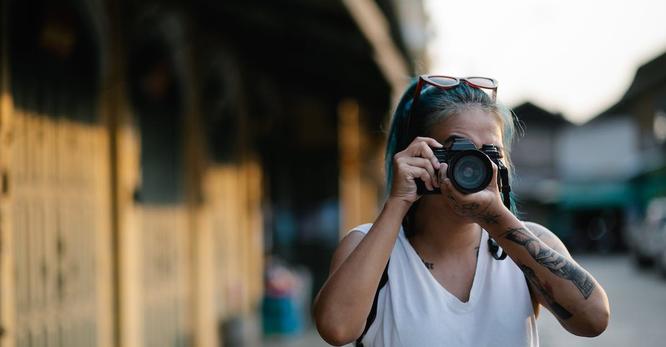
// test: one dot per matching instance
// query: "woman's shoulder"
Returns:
(362, 228)
(539, 230)
(547, 236)
(348, 243)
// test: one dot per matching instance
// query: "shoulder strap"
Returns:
(373, 310)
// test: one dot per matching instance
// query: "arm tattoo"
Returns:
(558, 309)
(489, 218)
(472, 210)
(469, 208)
(553, 261)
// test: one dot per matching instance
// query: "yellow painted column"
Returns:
(7, 297)
(349, 141)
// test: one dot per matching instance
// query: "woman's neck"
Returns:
(439, 232)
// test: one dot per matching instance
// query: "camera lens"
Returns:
(471, 172)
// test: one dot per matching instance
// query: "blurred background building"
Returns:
(592, 183)
(155, 154)
(533, 156)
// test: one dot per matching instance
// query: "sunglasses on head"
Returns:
(448, 82)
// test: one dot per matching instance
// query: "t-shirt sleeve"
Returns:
(363, 228)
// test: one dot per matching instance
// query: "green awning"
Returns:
(650, 184)
(596, 195)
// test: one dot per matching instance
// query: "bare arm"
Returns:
(345, 300)
(561, 285)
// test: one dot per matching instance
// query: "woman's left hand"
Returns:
(484, 207)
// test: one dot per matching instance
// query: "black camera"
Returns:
(469, 169)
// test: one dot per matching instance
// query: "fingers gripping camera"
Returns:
(470, 169)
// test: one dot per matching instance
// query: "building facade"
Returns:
(152, 153)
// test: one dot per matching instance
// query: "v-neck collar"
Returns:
(479, 274)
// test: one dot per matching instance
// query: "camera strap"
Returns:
(505, 189)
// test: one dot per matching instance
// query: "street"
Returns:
(638, 309)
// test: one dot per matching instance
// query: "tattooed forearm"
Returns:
(553, 261)
(557, 309)
(473, 210)
(489, 218)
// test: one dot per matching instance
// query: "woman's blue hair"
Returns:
(435, 105)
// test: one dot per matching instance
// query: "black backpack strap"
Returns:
(373, 310)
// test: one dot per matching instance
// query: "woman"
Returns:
(446, 283)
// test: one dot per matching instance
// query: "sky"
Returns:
(572, 57)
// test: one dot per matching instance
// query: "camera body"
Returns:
(469, 169)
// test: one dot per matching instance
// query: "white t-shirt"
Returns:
(413, 309)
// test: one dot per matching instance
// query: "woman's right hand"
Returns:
(417, 161)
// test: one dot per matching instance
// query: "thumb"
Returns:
(493, 181)
(442, 173)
